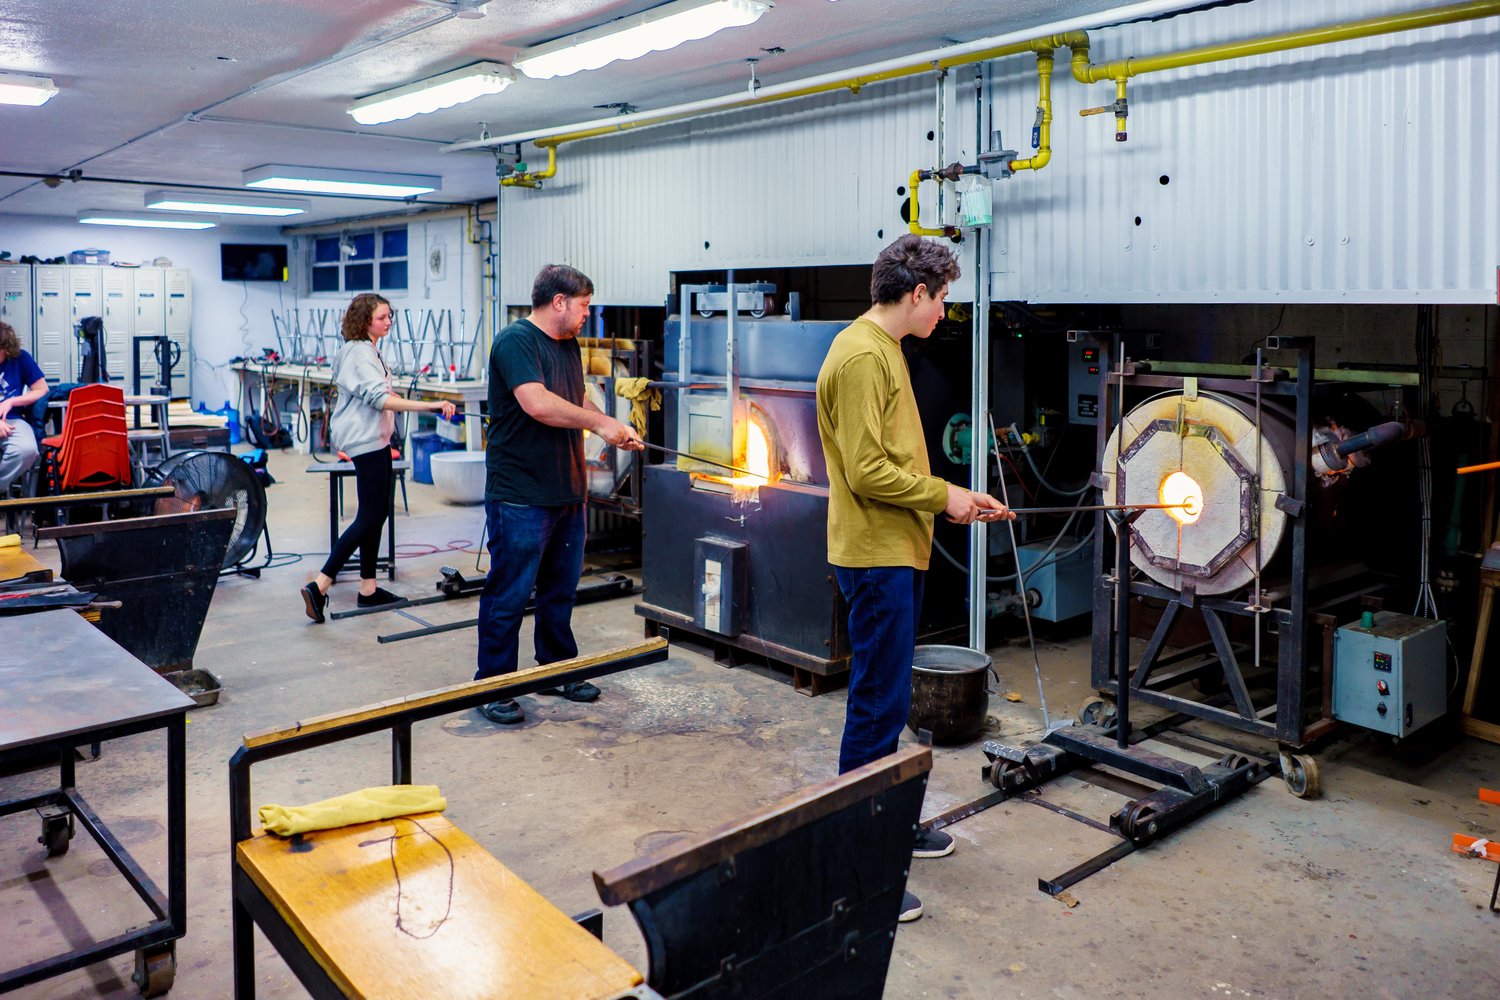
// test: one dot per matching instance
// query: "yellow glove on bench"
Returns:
(364, 806)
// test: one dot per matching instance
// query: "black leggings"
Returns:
(372, 480)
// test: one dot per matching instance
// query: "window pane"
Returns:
(392, 274)
(359, 277)
(393, 244)
(326, 279)
(364, 246)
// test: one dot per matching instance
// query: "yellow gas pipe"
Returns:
(1043, 153)
(533, 179)
(950, 232)
(1121, 70)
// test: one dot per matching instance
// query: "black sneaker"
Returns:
(375, 600)
(932, 844)
(576, 691)
(911, 908)
(313, 602)
(505, 713)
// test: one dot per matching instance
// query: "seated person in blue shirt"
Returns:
(21, 385)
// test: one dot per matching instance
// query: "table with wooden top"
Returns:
(70, 686)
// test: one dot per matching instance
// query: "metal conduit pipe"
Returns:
(1120, 70)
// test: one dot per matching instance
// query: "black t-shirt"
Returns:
(526, 461)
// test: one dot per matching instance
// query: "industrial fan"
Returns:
(216, 479)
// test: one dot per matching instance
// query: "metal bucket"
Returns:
(948, 693)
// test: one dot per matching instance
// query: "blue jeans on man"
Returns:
(884, 602)
(538, 548)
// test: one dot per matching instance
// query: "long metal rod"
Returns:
(1015, 546)
(699, 458)
(1098, 507)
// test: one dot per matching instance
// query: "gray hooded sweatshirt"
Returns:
(359, 425)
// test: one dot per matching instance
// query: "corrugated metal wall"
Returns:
(1367, 171)
(807, 182)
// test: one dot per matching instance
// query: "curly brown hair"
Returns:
(907, 263)
(357, 317)
(10, 344)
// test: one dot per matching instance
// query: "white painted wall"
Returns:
(229, 318)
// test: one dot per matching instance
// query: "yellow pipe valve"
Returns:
(1120, 109)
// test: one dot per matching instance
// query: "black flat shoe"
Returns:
(313, 602)
(375, 600)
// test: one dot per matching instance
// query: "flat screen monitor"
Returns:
(252, 261)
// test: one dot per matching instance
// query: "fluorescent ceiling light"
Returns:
(225, 204)
(433, 94)
(327, 180)
(632, 37)
(145, 220)
(30, 91)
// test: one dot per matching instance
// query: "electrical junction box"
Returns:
(719, 594)
(1065, 586)
(1085, 359)
(1390, 672)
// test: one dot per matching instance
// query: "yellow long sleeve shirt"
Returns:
(882, 496)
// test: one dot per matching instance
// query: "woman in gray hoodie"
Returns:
(361, 425)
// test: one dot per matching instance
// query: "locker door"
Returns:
(54, 339)
(84, 300)
(16, 308)
(150, 316)
(178, 282)
(117, 285)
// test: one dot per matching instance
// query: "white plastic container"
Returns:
(459, 476)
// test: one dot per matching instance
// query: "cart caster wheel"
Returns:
(1138, 822)
(1096, 711)
(155, 971)
(1300, 772)
(57, 830)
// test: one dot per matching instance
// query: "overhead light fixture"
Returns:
(433, 94)
(225, 204)
(29, 91)
(144, 220)
(328, 180)
(653, 30)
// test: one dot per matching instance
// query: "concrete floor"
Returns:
(1355, 894)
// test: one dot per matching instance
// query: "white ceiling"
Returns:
(135, 74)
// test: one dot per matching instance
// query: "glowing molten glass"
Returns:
(1181, 488)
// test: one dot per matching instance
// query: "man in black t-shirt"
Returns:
(536, 483)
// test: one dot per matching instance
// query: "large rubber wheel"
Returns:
(1300, 772)
(155, 971)
(1096, 711)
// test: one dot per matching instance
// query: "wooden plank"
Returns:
(636, 878)
(1483, 730)
(497, 685)
(100, 496)
(411, 907)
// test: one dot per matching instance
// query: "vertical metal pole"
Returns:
(177, 823)
(401, 753)
(1291, 661)
(684, 364)
(979, 465)
(731, 364)
(1122, 631)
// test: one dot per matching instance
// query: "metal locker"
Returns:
(117, 285)
(178, 284)
(16, 308)
(150, 314)
(56, 348)
(84, 300)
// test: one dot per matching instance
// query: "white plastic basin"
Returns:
(459, 475)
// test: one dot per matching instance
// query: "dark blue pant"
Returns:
(530, 547)
(883, 605)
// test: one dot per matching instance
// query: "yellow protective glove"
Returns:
(364, 806)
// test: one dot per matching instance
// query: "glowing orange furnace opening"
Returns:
(1181, 488)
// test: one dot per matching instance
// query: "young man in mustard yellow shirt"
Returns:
(883, 498)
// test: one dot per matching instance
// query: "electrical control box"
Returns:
(1390, 672)
(1086, 360)
(719, 599)
(1066, 587)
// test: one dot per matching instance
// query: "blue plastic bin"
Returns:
(423, 446)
